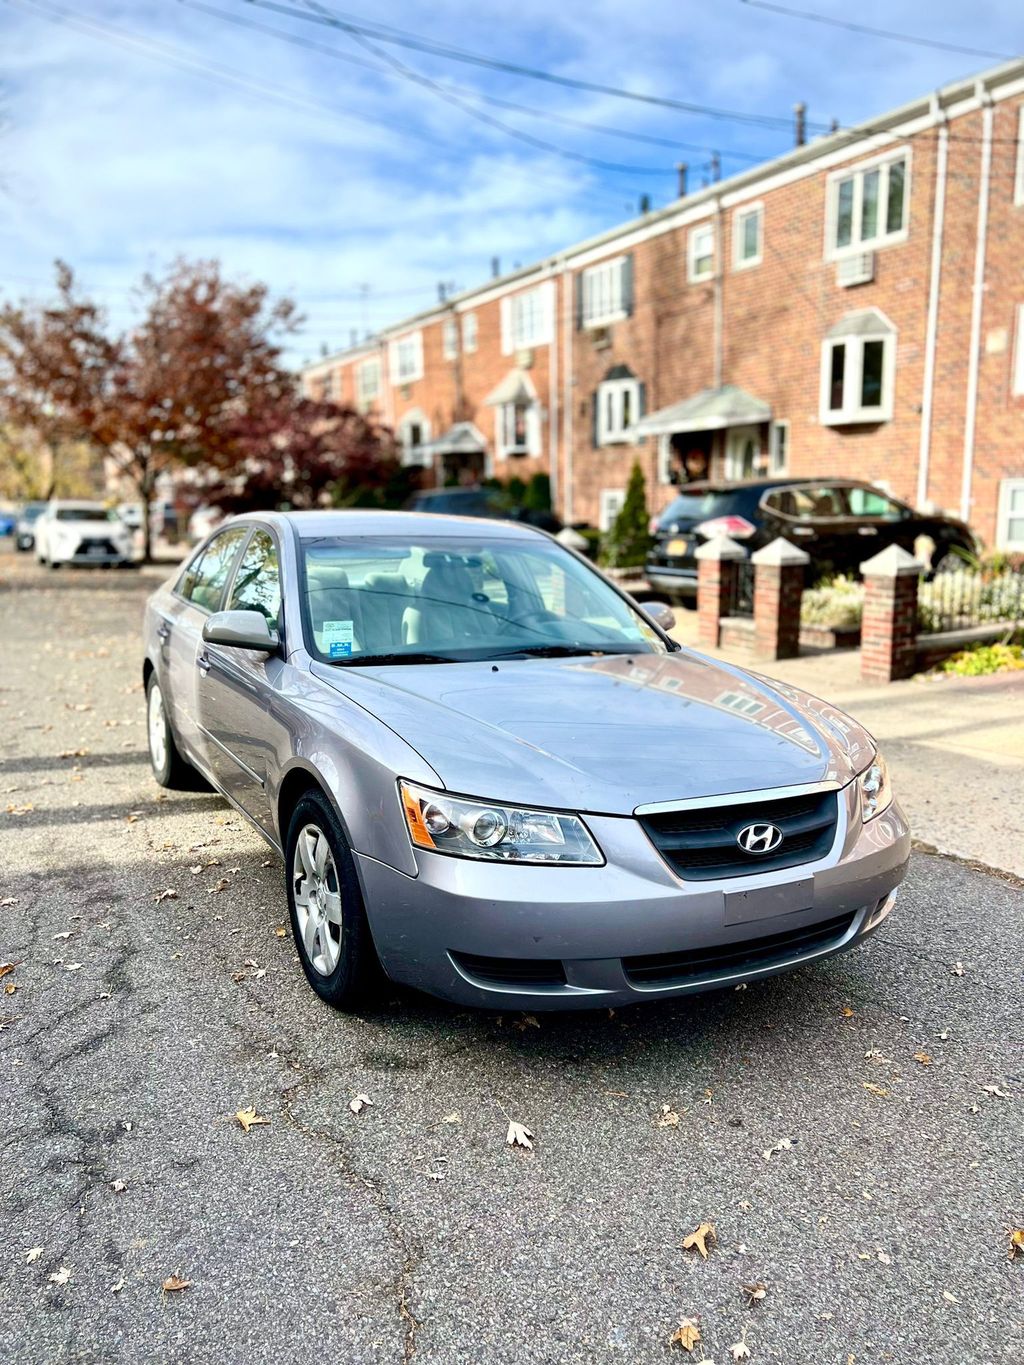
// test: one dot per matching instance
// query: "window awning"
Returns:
(867, 322)
(709, 410)
(461, 439)
(516, 387)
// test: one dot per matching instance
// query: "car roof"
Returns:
(781, 481)
(88, 503)
(373, 522)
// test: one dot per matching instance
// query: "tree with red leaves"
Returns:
(198, 384)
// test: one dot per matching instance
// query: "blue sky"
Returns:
(171, 131)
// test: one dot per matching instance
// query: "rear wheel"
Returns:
(326, 907)
(169, 768)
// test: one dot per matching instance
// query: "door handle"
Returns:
(163, 630)
(803, 530)
(203, 664)
(867, 530)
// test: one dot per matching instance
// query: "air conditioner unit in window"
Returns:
(859, 269)
(524, 359)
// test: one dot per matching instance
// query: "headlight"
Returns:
(483, 829)
(875, 788)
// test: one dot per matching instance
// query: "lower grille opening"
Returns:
(669, 969)
(512, 971)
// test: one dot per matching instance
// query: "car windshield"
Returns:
(702, 504)
(448, 599)
(85, 514)
(32, 510)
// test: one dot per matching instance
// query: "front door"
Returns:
(743, 453)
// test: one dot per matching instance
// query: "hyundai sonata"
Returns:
(492, 774)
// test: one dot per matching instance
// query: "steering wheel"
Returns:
(535, 616)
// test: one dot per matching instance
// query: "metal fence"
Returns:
(744, 604)
(970, 597)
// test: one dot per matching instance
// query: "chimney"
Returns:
(833, 127)
(716, 167)
(324, 349)
(442, 290)
(645, 203)
(353, 337)
(495, 267)
(800, 113)
(681, 169)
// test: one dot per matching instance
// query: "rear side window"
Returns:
(807, 503)
(257, 585)
(203, 581)
(869, 502)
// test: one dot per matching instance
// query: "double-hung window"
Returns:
(517, 428)
(747, 230)
(867, 207)
(701, 252)
(526, 319)
(407, 358)
(450, 339)
(413, 434)
(368, 382)
(617, 409)
(1010, 521)
(605, 292)
(858, 369)
(469, 333)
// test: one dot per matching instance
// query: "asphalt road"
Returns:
(140, 1025)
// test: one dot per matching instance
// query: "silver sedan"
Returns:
(493, 776)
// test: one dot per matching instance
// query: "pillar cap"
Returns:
(892, 562)
(720, 547)
(780, 552)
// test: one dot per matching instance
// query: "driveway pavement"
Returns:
(868, 1192)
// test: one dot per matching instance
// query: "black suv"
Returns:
(839, 522)
(479, 502)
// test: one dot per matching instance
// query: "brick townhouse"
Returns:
(852, 308)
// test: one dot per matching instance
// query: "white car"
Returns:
(82, 533)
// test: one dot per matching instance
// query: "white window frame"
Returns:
(450, 339)
(778, 447)
(739, 217)
(853, 374)
(410, 454)
(610, 504)
(603, 293)
(1017, 376)
(1018, 179)
(697, 233)
(368, 378)
(469, 333)
(505, 444)
(882, 238)
(611, 394)
(1007, 487)
(527, 319)
(405, 355)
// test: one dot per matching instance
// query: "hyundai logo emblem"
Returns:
(760, 838)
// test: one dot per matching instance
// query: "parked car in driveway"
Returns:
(493, 775)
(839, 522)
(479, 502)
(24, 528)
(70, 532)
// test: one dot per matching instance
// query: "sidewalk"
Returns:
(955, 746)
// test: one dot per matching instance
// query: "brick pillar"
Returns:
(888, 632)
(717, 582)
(778, 587)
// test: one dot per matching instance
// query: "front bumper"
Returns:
(516, 937)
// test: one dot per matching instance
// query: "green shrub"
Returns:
(980, 660)
(625, 546)
(537, 497)
(833, 603)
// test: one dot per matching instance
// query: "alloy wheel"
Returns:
(157, 726)
(317, 894)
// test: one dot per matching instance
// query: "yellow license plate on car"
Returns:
(677, 547)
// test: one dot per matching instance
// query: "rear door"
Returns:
(240, 723)
(877, 521)
(198, 593)
(813, 516)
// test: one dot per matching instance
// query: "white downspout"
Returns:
(977, 303)
(719, 286)
(568, 309)
(553, 404)
(932, 327)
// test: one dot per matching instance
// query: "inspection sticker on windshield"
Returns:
(337, 637)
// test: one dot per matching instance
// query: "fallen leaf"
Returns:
(8, 900)
(248, 1118)
(116, 1288)
(994, 1090)
(668, 1118)
(65, 935)
(957, 969)
(222, 885)
(698, 1238)
(1016, 1236)
(739, 1350)
(754, 1292)
(923, 1058)
(783, 1145)
(168, 895)
(884, 1257)
(118, 1186)
(359, 1102)
(453, 1117)
(33, 1254)
(73, 966)
(434, 1175)
(280, 932)
(846, 1012)
(174, 1284)
(950, 1298)
(197, 870)
(10, 988)
(527, 1021)
(60, 1276)
(876, 1089)
(686, 1335)
(519, 1135)
(6, 967)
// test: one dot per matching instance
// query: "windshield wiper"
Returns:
(398, 658)
(562, 651)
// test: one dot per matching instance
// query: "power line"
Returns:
(402, 38)
(632, 135)
(852, 27)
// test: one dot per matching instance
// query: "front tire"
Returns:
(169, 768)
(325, 904)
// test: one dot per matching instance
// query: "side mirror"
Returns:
(240, 630)
(660, 613)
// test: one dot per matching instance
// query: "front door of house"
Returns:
(742, 453)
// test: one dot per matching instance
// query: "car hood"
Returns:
(101, 526)
(607, 734)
